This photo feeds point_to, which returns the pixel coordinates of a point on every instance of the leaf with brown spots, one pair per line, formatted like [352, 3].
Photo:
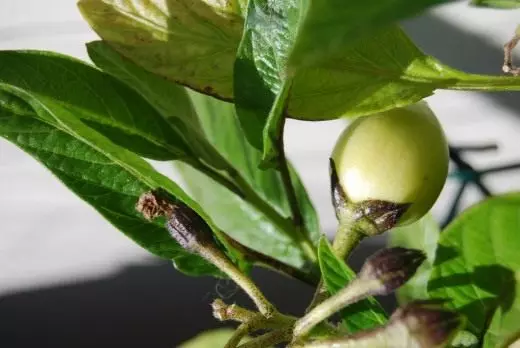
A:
[191, 42]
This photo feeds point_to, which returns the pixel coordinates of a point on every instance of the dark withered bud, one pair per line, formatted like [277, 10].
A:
[188, 228]
[393, 267]
[154, 204]
[183, 223]
[427, 323]
[421, 324]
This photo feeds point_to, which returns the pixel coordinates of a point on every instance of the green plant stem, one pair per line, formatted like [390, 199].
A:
[251, 196]
[286, 179]
[488, 84]
[311, 278]
[242, 331]
[357, 290]
[269, 339]
[233, 312]
[225, 312]
[218, 177]
[348, 236]
[297, 218]
[457, 80]
[222, 262]
[244, 190]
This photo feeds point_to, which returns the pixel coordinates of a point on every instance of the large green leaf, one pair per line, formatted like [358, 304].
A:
[171, 100]
[476, 267]
[259, 74]
[195, 43]
[281, 37]
[236, 217]
[104, 175]
[98, 99]
[218, 123]
[423, 235]
[190, 42]
[505, 4]
[379, 73]
[326, 28]
[336, 275]
[357, 74]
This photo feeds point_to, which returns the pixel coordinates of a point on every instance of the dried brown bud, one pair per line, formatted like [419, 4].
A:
[219, 310]
[184, 224]
[428, 323]
[188, 228]
[154, 204]
[422, 324]
[393, 267]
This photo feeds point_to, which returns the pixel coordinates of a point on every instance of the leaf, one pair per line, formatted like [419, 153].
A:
[259, 74]
[423, 235]
[379, 71]
[191, 42]
[273, 130]
[464, 339]
[282, 37]
[209, 339]
[336, 275]
[230, 212]
[476, 268]
[326, 28]
[98, 99]
[276, 42]
[234, 216]
[110, 182]
[171, 100]
[503, 4]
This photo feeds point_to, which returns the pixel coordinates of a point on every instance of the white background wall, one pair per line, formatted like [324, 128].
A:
[50, 237]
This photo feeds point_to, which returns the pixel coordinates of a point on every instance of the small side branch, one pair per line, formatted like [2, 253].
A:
[509, 67]
[289, 188]
[292, 198]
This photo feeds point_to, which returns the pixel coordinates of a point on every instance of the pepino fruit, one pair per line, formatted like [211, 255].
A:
[394, 158]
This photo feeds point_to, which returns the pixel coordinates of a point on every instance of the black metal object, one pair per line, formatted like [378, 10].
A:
[467, 175]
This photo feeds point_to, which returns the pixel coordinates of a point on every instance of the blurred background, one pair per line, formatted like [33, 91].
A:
[69, 279]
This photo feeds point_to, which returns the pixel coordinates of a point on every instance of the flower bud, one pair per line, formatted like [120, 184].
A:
[393, 267]
[391, 165]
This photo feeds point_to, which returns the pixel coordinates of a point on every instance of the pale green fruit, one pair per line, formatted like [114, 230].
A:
[398, 156]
